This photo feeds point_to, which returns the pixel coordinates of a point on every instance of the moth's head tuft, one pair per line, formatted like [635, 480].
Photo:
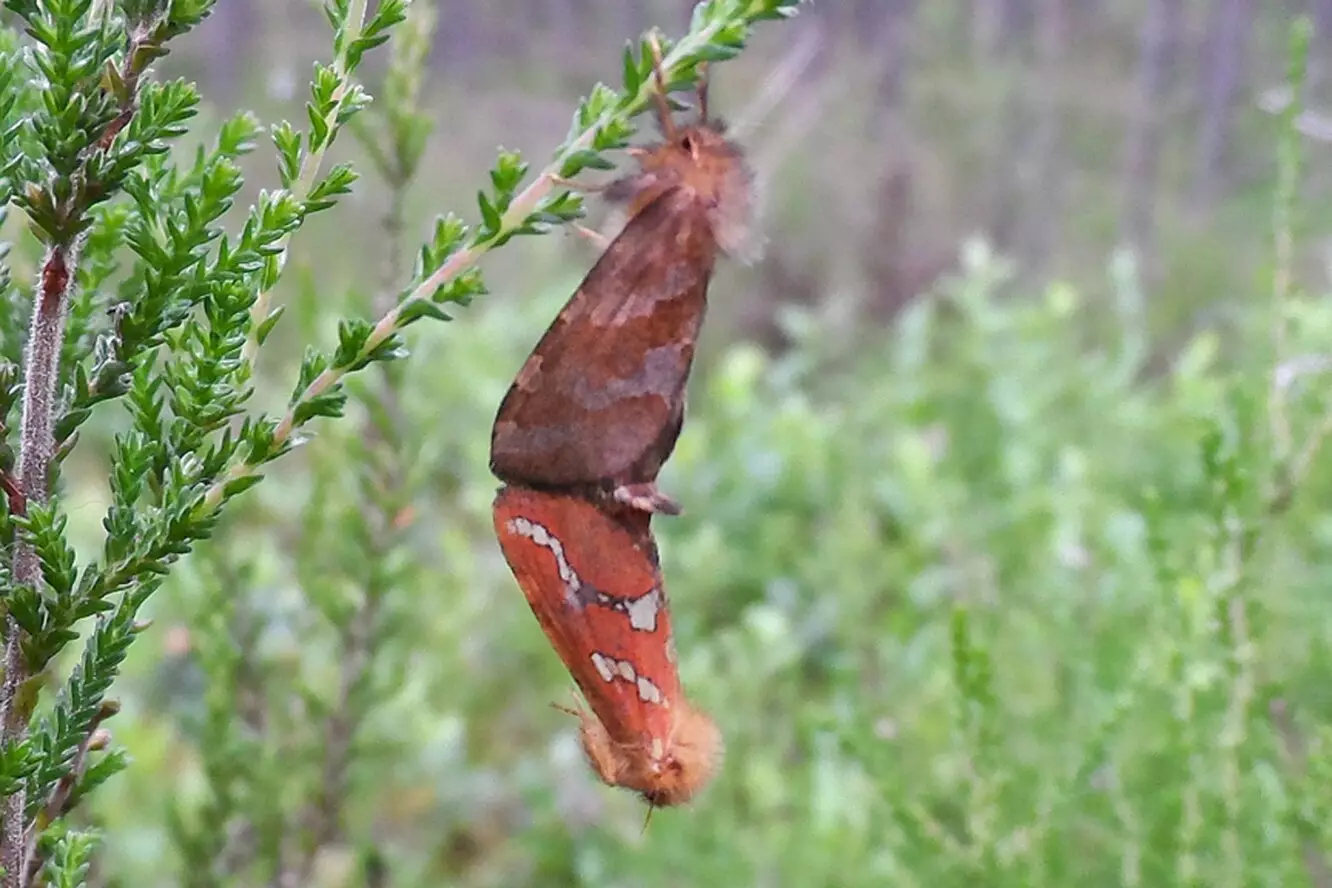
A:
[665, 771]
[710, 168]
[699, 161]
[691, 758]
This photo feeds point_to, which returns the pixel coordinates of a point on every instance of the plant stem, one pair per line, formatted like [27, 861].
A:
[383, 492]
[310, 165]
[59, 802]
[36, 450]
[1296, 758]
[1289, 166]
[523, 205]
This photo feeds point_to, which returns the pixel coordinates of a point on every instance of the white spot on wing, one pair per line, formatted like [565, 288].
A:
[604, 665]
[643, 611]
[545, 539]
[647, 691]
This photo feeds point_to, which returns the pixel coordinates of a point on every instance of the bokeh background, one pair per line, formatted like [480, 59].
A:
[1057, 128]
[970, 460]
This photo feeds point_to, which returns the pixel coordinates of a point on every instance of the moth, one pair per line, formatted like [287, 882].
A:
[599, 403]
[593, 580]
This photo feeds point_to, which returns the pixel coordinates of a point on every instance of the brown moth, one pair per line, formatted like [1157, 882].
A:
[599, 403]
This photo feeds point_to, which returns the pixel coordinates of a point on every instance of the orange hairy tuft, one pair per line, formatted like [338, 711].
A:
[666, 771]
[707, 169]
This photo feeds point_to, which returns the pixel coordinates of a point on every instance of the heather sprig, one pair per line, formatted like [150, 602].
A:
[145, 301]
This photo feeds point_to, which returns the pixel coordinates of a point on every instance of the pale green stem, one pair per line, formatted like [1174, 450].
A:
[523, 205]
[309, 171]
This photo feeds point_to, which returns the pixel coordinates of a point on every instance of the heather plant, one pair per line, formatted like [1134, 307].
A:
[135, 310]
[1013, 593]
[1011, 599]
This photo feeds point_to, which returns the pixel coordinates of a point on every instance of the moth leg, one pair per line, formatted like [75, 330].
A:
[599, 240]
[568, 710]
[646, 498]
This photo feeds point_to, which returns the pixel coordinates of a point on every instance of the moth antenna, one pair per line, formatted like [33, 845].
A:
[663, 105]
[647, 819]
[781, 80]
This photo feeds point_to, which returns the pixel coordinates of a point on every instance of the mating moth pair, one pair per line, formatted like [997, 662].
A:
[581, 436]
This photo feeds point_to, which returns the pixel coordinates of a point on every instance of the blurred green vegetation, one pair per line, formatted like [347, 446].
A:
[1010, 592]
[977, 610]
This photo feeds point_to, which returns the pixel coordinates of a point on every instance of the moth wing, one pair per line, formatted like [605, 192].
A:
[593, 586]
[602, 392]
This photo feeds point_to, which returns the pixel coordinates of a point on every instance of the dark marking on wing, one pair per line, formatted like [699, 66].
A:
[601, 397]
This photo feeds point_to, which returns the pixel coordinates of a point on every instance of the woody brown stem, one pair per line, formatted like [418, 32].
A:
[575, 185]
[36, 449]
[324, 817]
[663, 103]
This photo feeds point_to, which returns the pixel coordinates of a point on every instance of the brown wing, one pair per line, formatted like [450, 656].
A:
[601, 397]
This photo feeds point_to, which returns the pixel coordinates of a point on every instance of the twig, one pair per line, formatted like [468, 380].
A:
[323, 818]
[243, 629]
[41, 378]
[1289, 163]
[523, 205]
[1233, 731]
[305, 179]
[131, 75]
[1292, 743]
[59, 804]
[18, 504]
[36, 448]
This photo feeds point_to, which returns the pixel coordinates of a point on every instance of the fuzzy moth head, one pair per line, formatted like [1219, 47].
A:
[702, 162]
[665, 771]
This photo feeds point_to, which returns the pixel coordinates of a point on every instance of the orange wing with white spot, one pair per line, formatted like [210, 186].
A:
[593, 582]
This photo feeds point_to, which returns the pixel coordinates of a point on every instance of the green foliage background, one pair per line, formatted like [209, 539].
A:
[972, 611]
[1016, 595]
